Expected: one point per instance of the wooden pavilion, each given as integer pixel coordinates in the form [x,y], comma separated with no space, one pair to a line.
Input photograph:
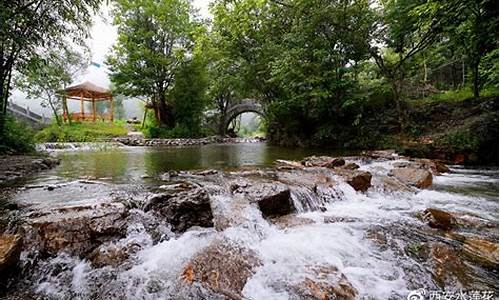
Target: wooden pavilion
[87,92]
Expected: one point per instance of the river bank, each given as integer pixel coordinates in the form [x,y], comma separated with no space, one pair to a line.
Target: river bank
[376,225]
[16,167]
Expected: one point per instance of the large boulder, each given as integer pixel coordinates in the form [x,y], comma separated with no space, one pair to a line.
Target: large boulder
[223,267]
[273,198]
[10,250]
[183,209]
[417,177]
[323,161]
[78,230]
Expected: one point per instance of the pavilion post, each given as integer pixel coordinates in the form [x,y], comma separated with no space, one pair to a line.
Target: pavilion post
[82,107]
[111,107]
[94,109]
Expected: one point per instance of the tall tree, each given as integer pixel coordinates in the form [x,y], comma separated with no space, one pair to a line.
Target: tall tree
[471,26]
[29,27]
[154,39]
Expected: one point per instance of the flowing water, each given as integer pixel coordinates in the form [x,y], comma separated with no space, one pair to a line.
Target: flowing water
[288,254]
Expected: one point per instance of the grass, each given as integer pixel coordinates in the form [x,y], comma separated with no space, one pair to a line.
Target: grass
[82,132]
[455,96]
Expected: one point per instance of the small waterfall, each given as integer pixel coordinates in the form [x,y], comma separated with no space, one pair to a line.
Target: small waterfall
[305,200]
[95,146]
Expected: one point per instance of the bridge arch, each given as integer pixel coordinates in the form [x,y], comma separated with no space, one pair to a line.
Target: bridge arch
[246,105]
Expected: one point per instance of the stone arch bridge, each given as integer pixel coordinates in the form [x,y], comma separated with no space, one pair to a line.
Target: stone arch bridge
[245,105]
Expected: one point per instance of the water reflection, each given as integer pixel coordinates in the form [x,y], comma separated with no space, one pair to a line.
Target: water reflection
[131,163]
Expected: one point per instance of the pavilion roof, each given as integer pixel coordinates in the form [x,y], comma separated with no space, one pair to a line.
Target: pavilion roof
[87,91]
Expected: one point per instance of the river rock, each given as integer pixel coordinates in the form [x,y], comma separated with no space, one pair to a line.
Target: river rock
[273,198]
[78,230]
[111,254]
[223,267]
[439,219]
[326,282]
[183,209]
[482,251]
[290,221]
[381,154]
[359,180]
[388,184]
[10,250]
[350,166]
[448,268]
[323,161]
[289,164]
[419,178]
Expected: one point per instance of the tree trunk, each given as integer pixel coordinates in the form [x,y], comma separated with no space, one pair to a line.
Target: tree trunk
[475,73]
[4,96]
[164,112]
[54,111]
[396,92]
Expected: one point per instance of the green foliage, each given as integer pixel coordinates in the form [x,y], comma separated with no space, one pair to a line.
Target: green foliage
[188,97]
[44,77]
[28,29]
[154,39]
[82,132]
[455,95]
[18,138]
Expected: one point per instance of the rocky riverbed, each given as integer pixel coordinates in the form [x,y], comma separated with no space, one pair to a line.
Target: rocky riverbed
[375,226]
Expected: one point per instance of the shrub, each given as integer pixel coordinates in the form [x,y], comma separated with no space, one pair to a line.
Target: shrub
[17,138]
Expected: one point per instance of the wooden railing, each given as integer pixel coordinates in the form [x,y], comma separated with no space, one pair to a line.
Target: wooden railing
[77,116]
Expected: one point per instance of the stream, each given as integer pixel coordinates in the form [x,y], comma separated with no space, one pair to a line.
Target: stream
[339,243]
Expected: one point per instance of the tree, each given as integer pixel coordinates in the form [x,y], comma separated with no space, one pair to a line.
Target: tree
[188,96]
[401,34]
[29,28]
[44,77]
[472,27]
[154,39]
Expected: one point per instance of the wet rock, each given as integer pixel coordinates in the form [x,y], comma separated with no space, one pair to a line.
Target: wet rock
[78,230]
[323,161]
[335,219]
[449,269]
[482,252]
[273,198]
[112,254]
[183,209]
[223,267]
[435,166]
[206,172]
[10,250]
[392,185]
[381,154]
[419,178]
[350,166]
[327,282]
[359,180]
[289,163]
[439,219]
[290,221]
[13,167]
